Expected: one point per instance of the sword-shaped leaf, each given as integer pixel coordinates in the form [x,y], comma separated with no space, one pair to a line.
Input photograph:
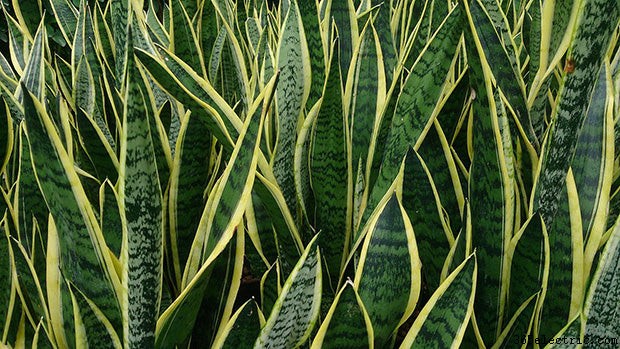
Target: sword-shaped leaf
[505,70]
[176,78]
[309,16]
[529,263]
[66,16]
[33,76]
[424,210]
[183,41]
[295,312]
[346,324]
[416,103]
[329,173]
[491,192]
[602,307]
[84,256]
[222,213]
[291,96]
[444,318]
[141,202]
[189,179]
[242,328]
[565,287]
[588,46]
[388,277]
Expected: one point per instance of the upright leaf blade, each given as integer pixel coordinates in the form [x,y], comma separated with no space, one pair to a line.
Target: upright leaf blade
[297,308]
[588,46]
[142,206]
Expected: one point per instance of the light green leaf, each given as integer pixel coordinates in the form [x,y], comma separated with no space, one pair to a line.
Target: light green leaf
[295,312]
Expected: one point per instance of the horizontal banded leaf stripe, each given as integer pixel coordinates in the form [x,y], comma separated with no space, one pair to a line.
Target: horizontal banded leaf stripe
[183,42]
[420,203]
[80,239]
[529,265]
[189,179]
[291,96]
[489,192]
[295,312]
[141,198]
[244,326]
[183,85]
[329,172]
[388,275]
[5,271]
[444,318]
[416,102]
[176,323]
[347,324]
[602,308]
[520,326]
[597,21]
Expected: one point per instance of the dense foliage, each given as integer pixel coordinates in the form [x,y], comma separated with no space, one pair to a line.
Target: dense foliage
[335,173]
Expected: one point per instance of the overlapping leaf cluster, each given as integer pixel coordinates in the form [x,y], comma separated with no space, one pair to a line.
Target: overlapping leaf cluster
[334,173]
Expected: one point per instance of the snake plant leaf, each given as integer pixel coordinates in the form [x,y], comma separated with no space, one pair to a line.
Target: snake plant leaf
[295,312]
[29,14]
[422,206]
[344,16]
[141,199]
[6,271]
[180,82]
[81,242]
[592,166]
[183,41]
[110,217]
[30,290]
[529,262]
[505,71]
[291,96]
[309,16]
[587,48]
[120,11]
[570,337]
[602,307]
[215,58]
[388,277]
[222,213]
[444,318]
[98,330]
[329,173]
[346,324]
[437,153]
[66,16]
[368,92]
[18,42]
[518,330]
[242,328]
[221,293]
[31,207]
[229,196]
[289,244]
[94,134]
[564,292]
[270,287]
[208,29]
[6,136]
[490,191]
[415,106]
[33,76]
[188,180]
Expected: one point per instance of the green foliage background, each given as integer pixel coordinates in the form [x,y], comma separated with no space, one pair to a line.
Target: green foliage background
[335,173]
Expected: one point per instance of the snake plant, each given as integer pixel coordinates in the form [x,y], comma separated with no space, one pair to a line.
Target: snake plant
[312,173]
